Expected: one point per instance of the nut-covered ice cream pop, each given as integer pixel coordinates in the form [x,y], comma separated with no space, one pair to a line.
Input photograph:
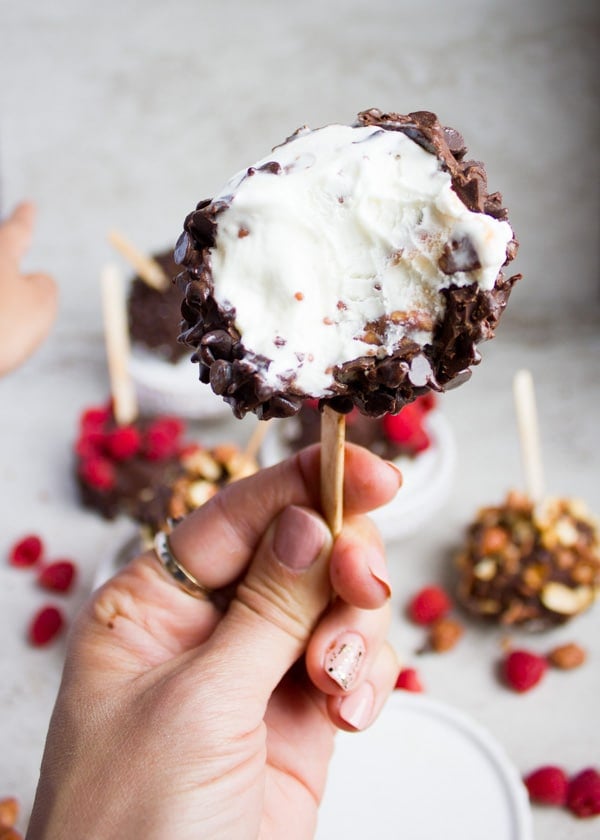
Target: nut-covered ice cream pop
[357,265]
[526,564]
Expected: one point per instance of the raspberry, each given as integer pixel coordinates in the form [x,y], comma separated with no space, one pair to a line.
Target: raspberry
[406,429]
[57,576]
[523,669]
[428,605]
[547,785]
[123,443]
[90,442]
[95,418]
[98,472]
[408,680]
[162,438]
[45,625]
[26,552]
[427,402]
[583,793]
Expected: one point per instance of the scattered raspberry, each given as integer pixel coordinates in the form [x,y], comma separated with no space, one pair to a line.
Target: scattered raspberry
[566,657]
[45,625]
[547,785]
[583,794]
[57,576]
[523,669]
[408,680]
[444,634]
[428,605]
[26,552]
[9,811]
[123,443]
[162,438]
[98,472]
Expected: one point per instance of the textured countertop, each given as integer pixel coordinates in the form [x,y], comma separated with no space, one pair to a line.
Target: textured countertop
[131,127]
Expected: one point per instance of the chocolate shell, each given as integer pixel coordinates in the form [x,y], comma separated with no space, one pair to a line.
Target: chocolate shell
[374,385]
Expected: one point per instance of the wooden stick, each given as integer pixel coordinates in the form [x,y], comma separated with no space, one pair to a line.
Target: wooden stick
[116,335]
[333,433]
[255,440]
[527,421]
[147,268]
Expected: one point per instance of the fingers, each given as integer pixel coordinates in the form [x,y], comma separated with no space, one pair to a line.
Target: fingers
[359,708]
[276,606]
[344,646]
[358,565]
[16,231]
[349,660]
[217,541]
[28,311]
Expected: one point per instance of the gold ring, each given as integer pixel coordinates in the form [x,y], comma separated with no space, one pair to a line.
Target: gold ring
[184,579]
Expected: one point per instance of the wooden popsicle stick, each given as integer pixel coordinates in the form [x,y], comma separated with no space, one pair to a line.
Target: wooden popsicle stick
[148,269]
[255,440]
[333,434]
[246,461]
[116,336]
[529,434]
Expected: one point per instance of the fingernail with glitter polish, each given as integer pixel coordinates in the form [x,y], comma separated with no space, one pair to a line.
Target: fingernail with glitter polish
[357,708]
[343,659]
[299,538]
[378,568]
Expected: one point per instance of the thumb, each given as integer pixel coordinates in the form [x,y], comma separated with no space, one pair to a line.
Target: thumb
[277,604]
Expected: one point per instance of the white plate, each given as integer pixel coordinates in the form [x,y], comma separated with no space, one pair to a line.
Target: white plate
[423,771]
[165,388]
[428,477]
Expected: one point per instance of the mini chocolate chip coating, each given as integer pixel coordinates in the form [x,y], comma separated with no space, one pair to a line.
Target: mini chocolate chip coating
[373,384]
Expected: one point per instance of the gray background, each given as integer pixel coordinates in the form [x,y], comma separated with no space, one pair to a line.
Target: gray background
[124,114]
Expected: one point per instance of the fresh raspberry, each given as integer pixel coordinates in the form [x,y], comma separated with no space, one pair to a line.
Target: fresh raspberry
[95,418]
[162,438]
[547,785]
[90,442]
[427,402]
[406,429]
[45,625]
[409,680]
[26,552]
[429,605]
[583,794]
[523,669]
[98,472]
[57,576]
[123,443]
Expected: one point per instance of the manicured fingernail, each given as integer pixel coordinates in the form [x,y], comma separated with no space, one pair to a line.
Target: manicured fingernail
[343,659]
[299,538]
[378,568]
[357,708]
[397,471]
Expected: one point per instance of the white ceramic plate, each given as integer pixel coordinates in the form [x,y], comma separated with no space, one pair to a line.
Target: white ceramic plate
[427,483]
[423,771]
[165,388]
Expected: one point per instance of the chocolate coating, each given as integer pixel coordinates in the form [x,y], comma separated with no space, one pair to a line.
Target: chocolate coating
[375,386]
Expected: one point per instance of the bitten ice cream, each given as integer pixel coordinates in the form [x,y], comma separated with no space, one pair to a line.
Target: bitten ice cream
[354,264]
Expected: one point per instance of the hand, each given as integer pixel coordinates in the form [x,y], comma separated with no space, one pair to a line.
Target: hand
[28,302]
[175,719]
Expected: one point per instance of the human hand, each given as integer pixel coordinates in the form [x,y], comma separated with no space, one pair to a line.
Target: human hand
[175,719]
[28,302]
